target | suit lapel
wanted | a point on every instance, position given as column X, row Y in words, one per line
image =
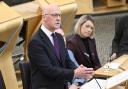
column 81, row 45
column 91, row 47
column 47, row 41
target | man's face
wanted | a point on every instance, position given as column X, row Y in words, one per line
column 53, row 19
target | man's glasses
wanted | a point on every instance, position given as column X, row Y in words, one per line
column 54, row 15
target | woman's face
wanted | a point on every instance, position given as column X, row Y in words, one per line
column 87, row 29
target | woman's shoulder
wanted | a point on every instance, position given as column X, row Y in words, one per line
column 91, row 39
column 71, row 41
column 72, row 37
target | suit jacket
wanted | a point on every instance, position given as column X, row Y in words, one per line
column 120, row 40
column 47, row 71
column 75, row 43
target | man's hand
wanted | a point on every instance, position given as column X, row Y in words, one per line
column 114, row 56
column 73, row 86
column 84, row 72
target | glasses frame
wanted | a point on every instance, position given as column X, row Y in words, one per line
column 54, row 15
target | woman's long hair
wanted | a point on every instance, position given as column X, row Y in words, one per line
column 80, row 22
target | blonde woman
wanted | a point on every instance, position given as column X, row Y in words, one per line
column 82, row 43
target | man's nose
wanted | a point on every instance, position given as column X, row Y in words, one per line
column 58, row 17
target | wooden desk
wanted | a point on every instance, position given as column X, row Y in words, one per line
column 121, row 59
column 107, row 72
column 104, row 72
column 124, row 65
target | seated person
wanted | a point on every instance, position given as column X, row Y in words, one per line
column 83, row 44
column 120, row 40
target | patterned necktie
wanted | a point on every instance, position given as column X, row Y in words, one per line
column 56, row 44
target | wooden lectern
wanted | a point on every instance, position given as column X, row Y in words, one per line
column 10, row 26
column 108, row 72
column 123, row 66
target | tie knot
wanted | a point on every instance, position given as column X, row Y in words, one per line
column 53, row 35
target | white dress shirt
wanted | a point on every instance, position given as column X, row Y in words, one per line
column 48, row 33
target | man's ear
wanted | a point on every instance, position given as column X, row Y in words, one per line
column 43, row 16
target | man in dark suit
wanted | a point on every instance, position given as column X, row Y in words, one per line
column 120, row 40
column 50, row 65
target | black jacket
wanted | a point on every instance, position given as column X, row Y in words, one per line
column 120, row 41
column 47, row 71
column 77, row 46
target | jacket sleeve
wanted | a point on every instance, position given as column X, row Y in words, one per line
column 118, row 34
column 71, row 45
column 97, row 61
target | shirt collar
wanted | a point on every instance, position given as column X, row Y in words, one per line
column 46, row 31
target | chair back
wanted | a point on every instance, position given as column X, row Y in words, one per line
column 2, row 85
column 10, row 26
column 25, row 74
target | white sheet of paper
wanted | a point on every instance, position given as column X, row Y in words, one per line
column 93, row 84
column 106, row 84
column 112, row 65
